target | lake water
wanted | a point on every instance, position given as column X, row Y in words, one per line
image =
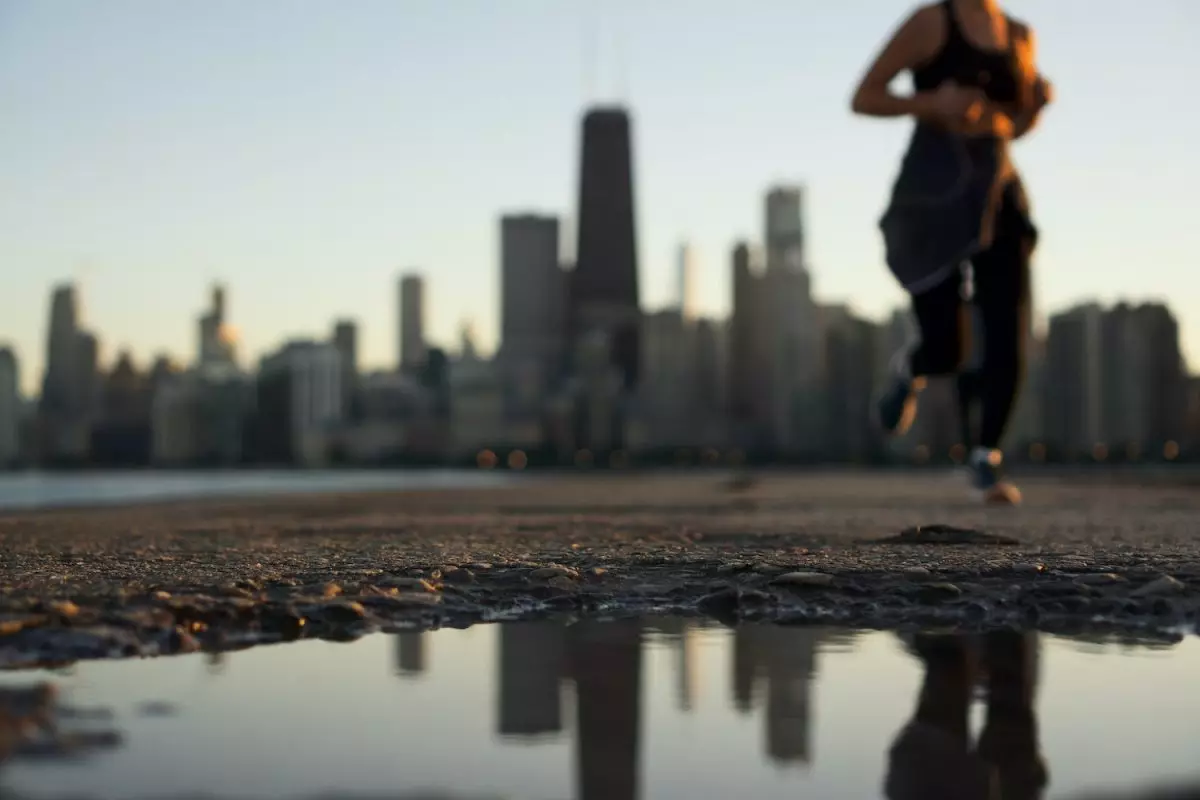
column 24, row 490
column 616, row 711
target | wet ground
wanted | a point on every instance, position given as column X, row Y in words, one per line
column 851, row 549
column 659, row 708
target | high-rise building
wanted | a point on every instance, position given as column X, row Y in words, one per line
column 749, row 356
column 70, row 388
column 532, row 662
column 1125, row 392
column 532, row 310
column 668, row 387
column 741, row 332
column 795, row 335
column 1114, row 382
column 217, row 341
column 686, row 282
column 174, row 407
column 851, row 351
column 10, row 408
column 604, row 284
column 1143, row 380
column 1074, row 391
column 64, row 328
column 784, row 234
column 59, row 391
column 411, row 653
column 606, row 665
column 345, row 340
column 599, row 396
column 89, row 377
column 299, row 401
column 412, row 323
column 476, row 399
column 1191, row 416
column 794, row 341
column 790, row 656
column 1167, row 374
column 122, row 433
column 709, row 382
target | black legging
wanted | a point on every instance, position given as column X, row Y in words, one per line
column 1001, row 292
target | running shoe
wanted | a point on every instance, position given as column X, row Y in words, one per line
column 987, row 480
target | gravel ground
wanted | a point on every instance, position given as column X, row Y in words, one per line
column 859, row 549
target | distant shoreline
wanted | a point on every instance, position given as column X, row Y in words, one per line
column 33, row 490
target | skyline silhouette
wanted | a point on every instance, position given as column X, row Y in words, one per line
column 306, row 176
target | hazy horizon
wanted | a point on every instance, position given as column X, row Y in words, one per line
column 305, row 154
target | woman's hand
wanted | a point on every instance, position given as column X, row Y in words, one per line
column 956, row 106
column 1043, row 92
column 991, row 122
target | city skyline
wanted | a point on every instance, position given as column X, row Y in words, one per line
column 234, row 172
column 584, row 372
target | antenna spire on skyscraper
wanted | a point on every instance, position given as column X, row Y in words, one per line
column 594, row 41
column 622, row 93
column 589, row 35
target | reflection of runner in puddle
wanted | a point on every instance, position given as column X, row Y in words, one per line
column 31, row 729
column 932, row 757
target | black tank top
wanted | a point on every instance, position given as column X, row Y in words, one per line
column 993, row 71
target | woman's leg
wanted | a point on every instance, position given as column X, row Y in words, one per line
column 931, row 757
column 967, row 393
column 967, row 383
column 938, row 351
column 1001, row 279
column 1010, row 734
column 941, row 322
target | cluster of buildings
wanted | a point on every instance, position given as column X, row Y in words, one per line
column 772, row 676
column 583, row 374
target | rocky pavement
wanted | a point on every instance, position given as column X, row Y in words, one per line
column 873, row 549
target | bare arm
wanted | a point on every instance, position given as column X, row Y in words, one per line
column 1027, row 119
column 914, row 43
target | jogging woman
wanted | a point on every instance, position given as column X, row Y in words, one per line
column 958, row 200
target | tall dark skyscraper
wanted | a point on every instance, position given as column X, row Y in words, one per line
column 604, row 285
column 69, row 386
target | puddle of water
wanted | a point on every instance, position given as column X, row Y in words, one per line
column 612, row 711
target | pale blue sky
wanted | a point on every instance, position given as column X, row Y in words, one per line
column 306, row 152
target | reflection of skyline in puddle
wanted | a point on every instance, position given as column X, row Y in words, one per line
column 595, row 711
column 35, row 726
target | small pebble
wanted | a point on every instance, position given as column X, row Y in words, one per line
column 65, row 608
column 935, row 592
column 554, row 571
column 409, row 584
